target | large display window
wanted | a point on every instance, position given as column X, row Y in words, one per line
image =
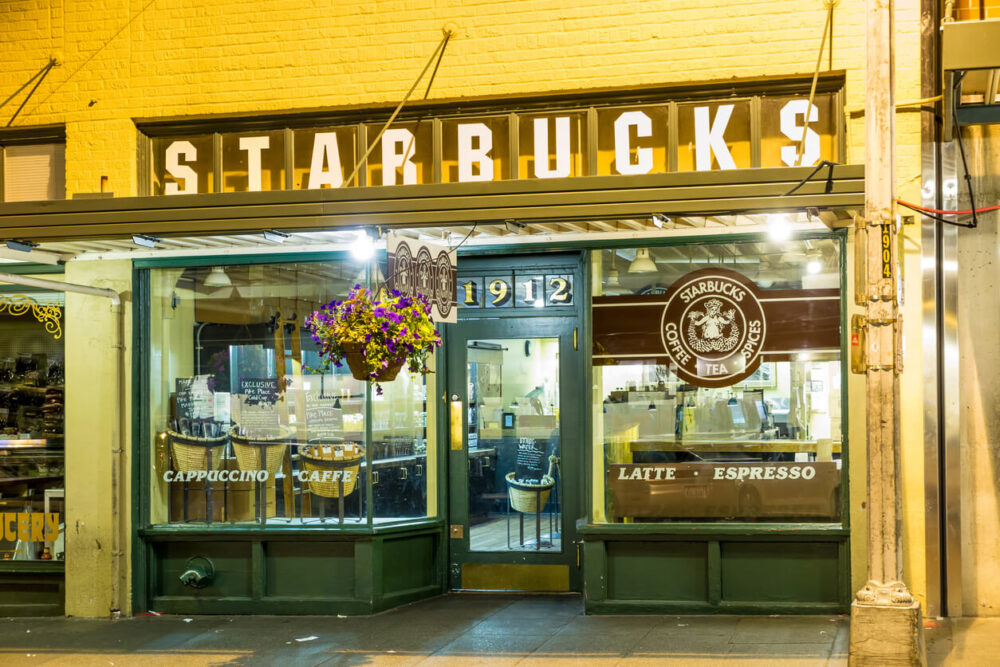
column 245, row 429
column 32, row 438
column 717, row 382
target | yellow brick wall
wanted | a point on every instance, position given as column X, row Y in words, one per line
column 127, row 59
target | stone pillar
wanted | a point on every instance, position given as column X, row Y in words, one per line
column 885, row 619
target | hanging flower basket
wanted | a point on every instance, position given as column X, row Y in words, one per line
column 375, row 336
column 355, row 359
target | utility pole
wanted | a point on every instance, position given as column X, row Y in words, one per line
column 886, row 625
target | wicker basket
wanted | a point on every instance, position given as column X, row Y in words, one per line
column 248, row 450
column 190, row 453
column 530, row 498
column 344, row 457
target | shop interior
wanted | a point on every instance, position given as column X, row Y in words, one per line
column 514, row 445
column 787, row 411
column 248, row 429
column 32, row 442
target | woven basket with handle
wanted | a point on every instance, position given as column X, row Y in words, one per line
column 530, row 498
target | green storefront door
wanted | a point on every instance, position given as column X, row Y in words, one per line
column 516, row 401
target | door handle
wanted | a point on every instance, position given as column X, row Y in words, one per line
column 457, row 437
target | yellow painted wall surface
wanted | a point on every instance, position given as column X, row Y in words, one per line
column 92, row 413
column 127, row 59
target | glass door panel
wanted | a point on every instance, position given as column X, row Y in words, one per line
column 514, row 444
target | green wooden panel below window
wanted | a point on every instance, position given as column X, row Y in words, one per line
column 657, row 571
column 766, row 572
column 230, row 559
column 409, row 563
column 31, row 594
column 316, row 570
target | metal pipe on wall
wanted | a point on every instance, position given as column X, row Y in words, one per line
column 118, row 433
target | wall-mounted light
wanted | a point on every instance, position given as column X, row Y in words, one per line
column 274, row 236
column 659, row 220
column 21, row 246
column 363, row 247
column 145, row 240
column 779, row 229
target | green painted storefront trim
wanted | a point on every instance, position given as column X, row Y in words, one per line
column 625, row 531
column 694, row 193
column 181, row 532
column 277, row 257
column 53, row 567
column 32, row 269
column 645, row 242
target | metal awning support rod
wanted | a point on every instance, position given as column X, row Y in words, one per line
column 118, row 517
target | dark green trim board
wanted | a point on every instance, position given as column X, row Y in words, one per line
column 141, row 455
column 29, row 588
column 438, row 204
column 32, row 269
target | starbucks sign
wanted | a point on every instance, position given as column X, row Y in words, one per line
column 713, row 327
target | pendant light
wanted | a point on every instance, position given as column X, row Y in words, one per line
column 613, row 286
column 642, row 262
column 217, row 277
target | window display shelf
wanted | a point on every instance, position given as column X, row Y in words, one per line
column 49, row 442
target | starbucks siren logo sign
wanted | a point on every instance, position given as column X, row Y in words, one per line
column 713, row 327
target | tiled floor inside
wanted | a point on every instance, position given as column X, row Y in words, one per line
column 468, row 630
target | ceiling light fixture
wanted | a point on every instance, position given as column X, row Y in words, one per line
column 274, row 236
column 642, row 262
column 659, row 220
column 815, row 263
column 613, row 286
column 218, row 277
column 145, row 241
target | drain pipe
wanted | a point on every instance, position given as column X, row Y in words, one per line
column 117, row 433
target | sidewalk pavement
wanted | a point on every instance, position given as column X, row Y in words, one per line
column 467, row 629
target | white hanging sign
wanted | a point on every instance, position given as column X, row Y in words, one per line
column 418, row 267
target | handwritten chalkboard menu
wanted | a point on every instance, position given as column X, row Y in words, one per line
column 258, row 414
column 530, row 460
column 323, row 420
column 194, row 398
column 259, row 391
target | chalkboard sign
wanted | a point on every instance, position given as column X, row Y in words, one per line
column 194, row 399
column 258, row 416
column 530, row 460
column 259, row 391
